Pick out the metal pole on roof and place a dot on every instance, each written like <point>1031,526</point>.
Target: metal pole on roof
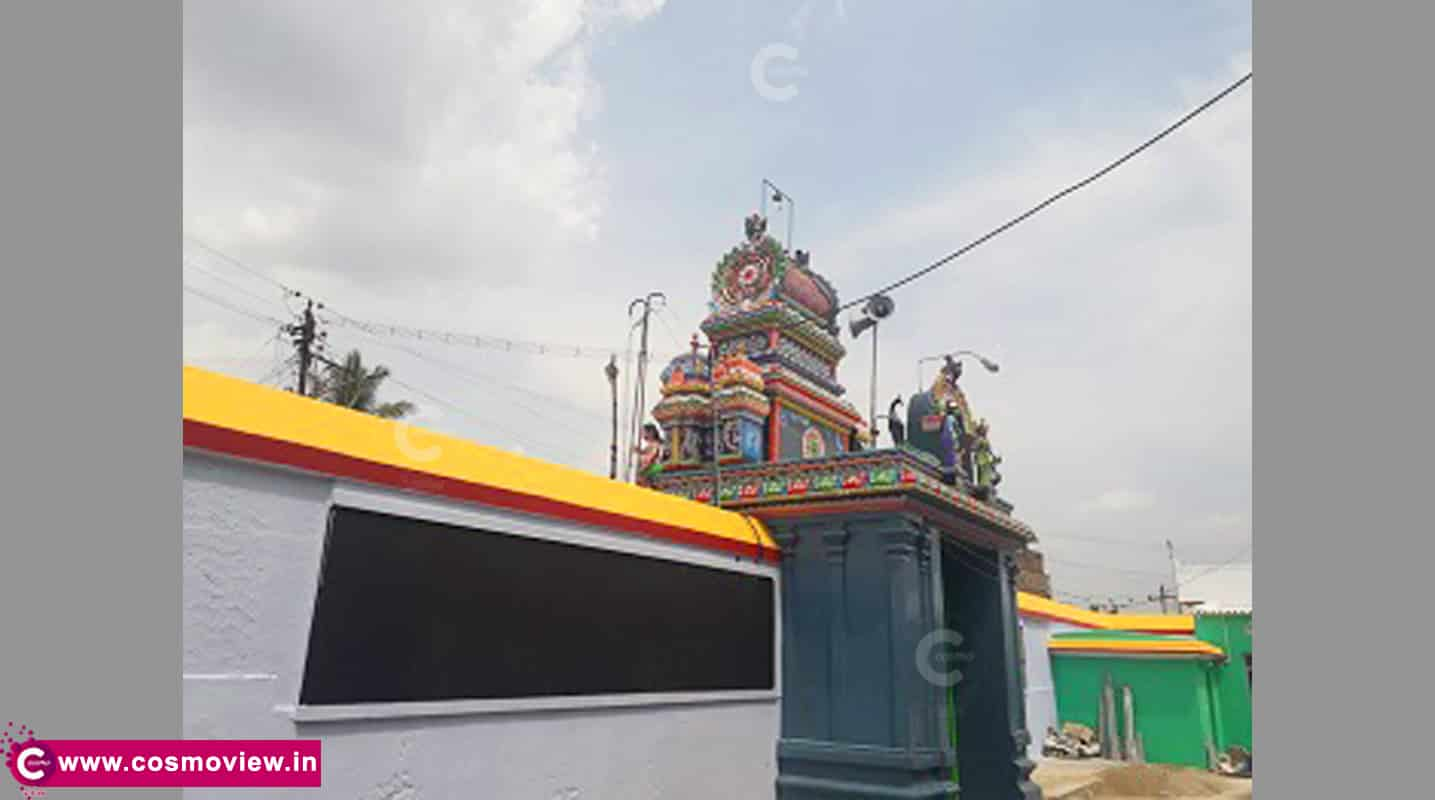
<point>642,370</point>
<point>1175,578</point>
<point>785,200</point>
<point>987,363</point>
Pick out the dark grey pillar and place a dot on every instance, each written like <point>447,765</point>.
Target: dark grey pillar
<point>1022,764</point>
<point>992,736</point>
<point>858,718</point>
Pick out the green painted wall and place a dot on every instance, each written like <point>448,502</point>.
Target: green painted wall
<point>1231,684</point>
<point>1172,696</point>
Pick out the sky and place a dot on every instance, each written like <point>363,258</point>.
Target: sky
<point>524,170</point>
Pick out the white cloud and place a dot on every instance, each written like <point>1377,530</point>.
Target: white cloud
<point>394,143</point>
<point>1221,522</point>
<point>432,165</point>
<point>1119,501</point>
<point>1121,317</point>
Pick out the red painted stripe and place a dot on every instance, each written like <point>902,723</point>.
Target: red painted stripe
<point>204,436</point>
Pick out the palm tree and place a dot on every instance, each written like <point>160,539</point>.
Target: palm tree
<point>355,386</point>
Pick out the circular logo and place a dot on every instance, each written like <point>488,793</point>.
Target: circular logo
<point>759,72</point>
<point>32,763</point>
<point>411,450</point>
<point>939,671</point>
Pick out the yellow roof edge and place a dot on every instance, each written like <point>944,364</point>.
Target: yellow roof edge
<point>1145,646</point>
<point>1029,603</point>
<point>237,405</point>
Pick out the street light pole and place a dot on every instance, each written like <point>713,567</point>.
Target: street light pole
<point>877,308</point>
<point>641,376</point>
<point>780,197</point>
<point>612,372</point>
<point>873,417</point>
<point>990,365</point>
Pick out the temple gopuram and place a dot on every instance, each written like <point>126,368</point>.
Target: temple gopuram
<point>765,390</point>
<point>901,652</point>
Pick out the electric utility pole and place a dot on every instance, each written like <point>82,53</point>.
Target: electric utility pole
<point>1162,595</point>
<point>303,334</point>
<point>641,373</point>
<point>1175,577</point>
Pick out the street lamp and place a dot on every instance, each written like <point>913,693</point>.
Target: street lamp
<point>612,372</point>
<point>877,308</point>
<point>990,365</point>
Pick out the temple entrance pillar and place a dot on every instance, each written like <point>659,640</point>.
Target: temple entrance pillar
<point>858,718</point>
<point>901,657</point>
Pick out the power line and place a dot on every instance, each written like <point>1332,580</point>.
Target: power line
<point>460,410</point>
<point>489,379</point>
<point>1082,565</point>
<point>1217,568</point>
<point>254,315</point>
<point>471,340</point>
<point>579,351</point>
<point>547,443</point>
<point>274,373</point>
<point>1084,598</point>
<point>240,264</point>
<point>236,309</point>
<point>663,318</point>
<point>1039,207</point>
<point>231,284</point>
<point>409,331</point>
<point>473,375</point>
<point>1095,539</point>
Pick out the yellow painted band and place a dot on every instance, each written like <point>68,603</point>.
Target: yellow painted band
<point>1149,646</point>
<point>1152,623</point>
<point>238,405</point>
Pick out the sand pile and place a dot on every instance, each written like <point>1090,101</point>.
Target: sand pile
<point>1158,780</point>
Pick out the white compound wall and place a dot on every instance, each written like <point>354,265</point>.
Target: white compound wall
<point>253,538</point>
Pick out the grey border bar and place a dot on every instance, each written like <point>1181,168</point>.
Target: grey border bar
<point>449,708</point>
<point>90,331</point>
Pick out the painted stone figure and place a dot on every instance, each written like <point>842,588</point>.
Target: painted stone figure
<point>953,443</point>
<point>985,459</point>
<point>895,428</point>
<point>927,422</point>
<point>649,455</point>
<point>813,445</point>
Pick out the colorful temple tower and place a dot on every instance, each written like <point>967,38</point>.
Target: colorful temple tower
<point>901,656</point>
<point>767,388</point>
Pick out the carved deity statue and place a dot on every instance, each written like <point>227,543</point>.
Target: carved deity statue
<point>954,443</point>
<point>756,227</point>
<point>649,455</point>
<point>985,459</point>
